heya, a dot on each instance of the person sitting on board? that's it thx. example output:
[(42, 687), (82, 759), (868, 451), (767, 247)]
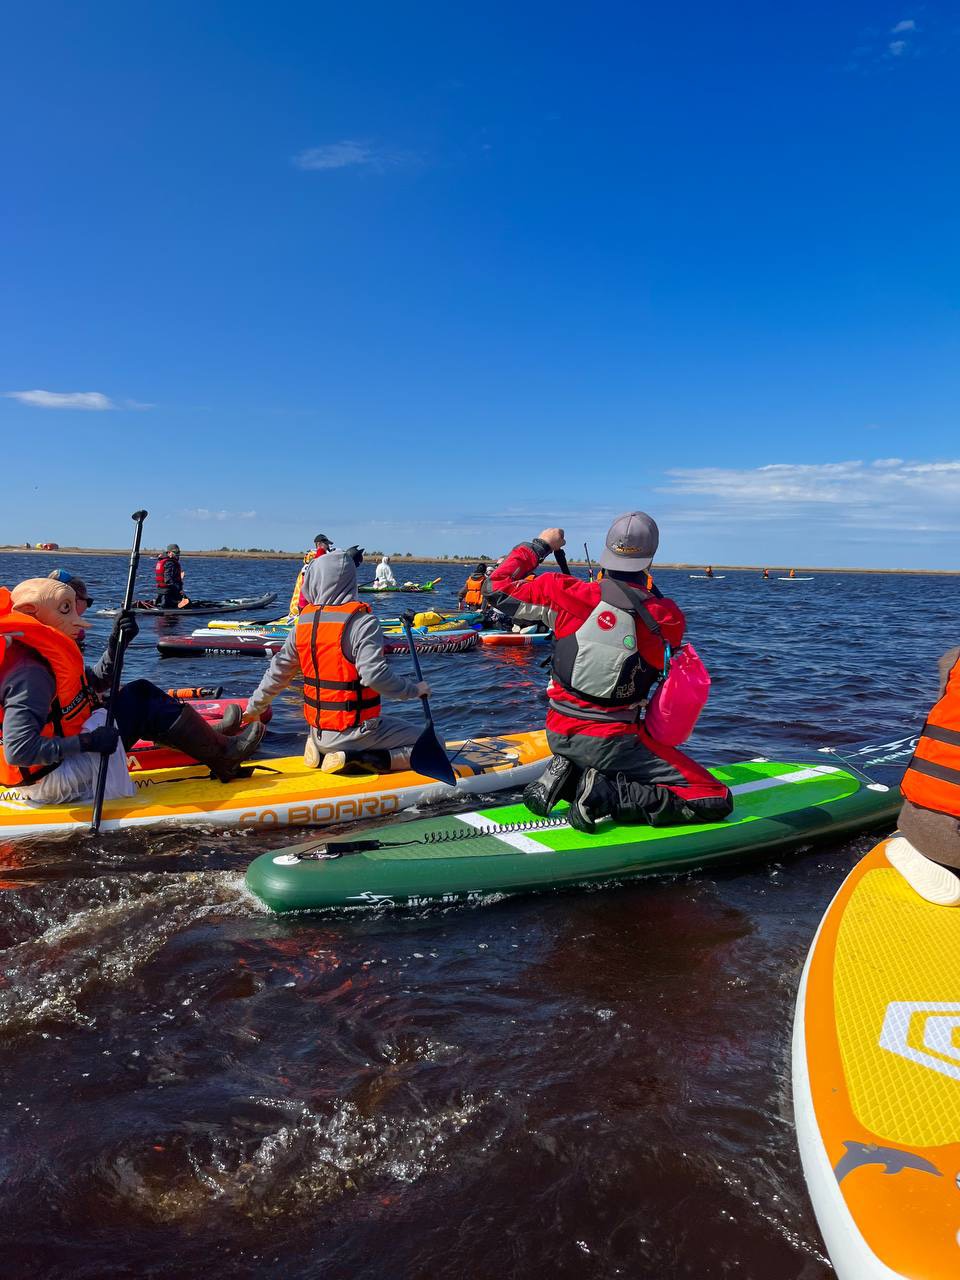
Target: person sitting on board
[(169, 575), (471, 596), (383, 578), (765, 574), (337, 646), (52, 721), (321, 545), (926, 850), (610, 651)]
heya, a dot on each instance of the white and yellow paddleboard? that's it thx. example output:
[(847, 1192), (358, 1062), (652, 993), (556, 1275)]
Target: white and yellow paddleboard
[(285, 792), (876, 1078)]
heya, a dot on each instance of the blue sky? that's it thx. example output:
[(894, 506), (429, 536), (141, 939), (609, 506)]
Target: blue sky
[(434, 276)]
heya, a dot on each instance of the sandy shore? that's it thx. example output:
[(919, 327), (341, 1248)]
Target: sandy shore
[(456, 560)]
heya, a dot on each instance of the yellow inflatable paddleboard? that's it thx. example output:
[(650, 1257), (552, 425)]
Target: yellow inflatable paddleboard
[(285, 792), (876, 1078)]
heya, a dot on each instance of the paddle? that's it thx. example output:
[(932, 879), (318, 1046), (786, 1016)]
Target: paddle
[(560, 556), (428, 756), (589, 561), (138, 517)]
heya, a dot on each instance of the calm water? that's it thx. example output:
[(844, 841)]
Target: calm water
[(584, 1085)]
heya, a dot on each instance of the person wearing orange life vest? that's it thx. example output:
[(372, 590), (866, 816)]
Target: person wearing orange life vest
[(52, 721), (471, 597), (337, 646), (169, 578), (926, 850)]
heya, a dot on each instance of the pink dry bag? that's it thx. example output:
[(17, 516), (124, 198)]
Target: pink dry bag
[(675, 708)]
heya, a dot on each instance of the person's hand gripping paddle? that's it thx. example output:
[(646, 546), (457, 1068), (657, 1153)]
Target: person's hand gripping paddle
[(138, 517), (428, 756)]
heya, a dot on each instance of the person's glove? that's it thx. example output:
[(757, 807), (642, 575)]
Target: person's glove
[(124, 630), (101, 741), (356, 554)]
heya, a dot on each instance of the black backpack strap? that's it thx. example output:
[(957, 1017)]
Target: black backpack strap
[(632, 600)]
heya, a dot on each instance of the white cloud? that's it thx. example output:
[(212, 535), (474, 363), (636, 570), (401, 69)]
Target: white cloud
[(351, 154), (95, 400), (908, 24), (886, 494), (204, 513), (897, 47)]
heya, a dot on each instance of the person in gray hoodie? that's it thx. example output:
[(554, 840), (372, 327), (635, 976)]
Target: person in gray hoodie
[(381, 742)]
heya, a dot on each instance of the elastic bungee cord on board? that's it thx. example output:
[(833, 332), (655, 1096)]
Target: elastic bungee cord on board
[(337, 848)]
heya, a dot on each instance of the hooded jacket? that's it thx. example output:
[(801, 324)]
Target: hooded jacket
[(333, 580)]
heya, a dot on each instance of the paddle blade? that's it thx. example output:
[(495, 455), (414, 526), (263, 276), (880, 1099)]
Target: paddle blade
[(429, 758)]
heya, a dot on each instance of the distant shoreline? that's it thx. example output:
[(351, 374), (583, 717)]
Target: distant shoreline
[(459, 561)]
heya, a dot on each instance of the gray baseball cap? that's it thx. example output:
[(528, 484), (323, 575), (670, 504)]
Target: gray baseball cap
[(631, 542)]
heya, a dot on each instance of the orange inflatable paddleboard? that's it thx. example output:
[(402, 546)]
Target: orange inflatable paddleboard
[(876, 1078)]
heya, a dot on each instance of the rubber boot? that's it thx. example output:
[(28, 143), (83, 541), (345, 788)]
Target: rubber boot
[(630, 802), (194, 736), (596, 798), (229, 723), (557, 782)]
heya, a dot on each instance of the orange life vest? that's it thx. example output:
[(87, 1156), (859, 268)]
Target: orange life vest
[(473, 591), (334, 697), (932, 779), (72, 702)]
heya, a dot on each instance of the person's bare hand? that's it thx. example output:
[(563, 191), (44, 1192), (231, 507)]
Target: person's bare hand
[(554, 538), (423, 689), (248, 717)]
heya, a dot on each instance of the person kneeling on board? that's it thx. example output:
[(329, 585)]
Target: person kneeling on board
[(337, 645), (52, 721), (926, 851), (610, 650)]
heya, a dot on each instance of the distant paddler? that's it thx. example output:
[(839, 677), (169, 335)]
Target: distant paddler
[(337, 646), (169, 576), (709, 571), (792, 573), (765, 574), (471, 594), (321, 545), (383, 578)]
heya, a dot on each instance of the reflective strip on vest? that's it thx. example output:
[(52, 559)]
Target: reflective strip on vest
[(932, 778)]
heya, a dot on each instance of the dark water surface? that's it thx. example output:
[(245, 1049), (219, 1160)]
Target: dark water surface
[(583, 1084)]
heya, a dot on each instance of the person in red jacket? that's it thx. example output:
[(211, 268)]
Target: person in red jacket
[(612, 640)]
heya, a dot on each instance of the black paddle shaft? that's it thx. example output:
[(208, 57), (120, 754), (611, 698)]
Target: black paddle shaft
[(138, 517), (428, 755), (560, 556), (406, 621)]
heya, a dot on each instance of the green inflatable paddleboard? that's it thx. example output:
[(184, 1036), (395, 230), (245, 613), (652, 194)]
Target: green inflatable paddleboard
[(466, 856)]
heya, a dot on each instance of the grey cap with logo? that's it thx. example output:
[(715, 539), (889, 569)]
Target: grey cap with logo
[(631, 543)]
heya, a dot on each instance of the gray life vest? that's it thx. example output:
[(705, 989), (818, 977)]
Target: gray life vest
[(599, 662)]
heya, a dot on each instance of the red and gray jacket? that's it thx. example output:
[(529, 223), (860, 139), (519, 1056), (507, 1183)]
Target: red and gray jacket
[(611, 640)]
